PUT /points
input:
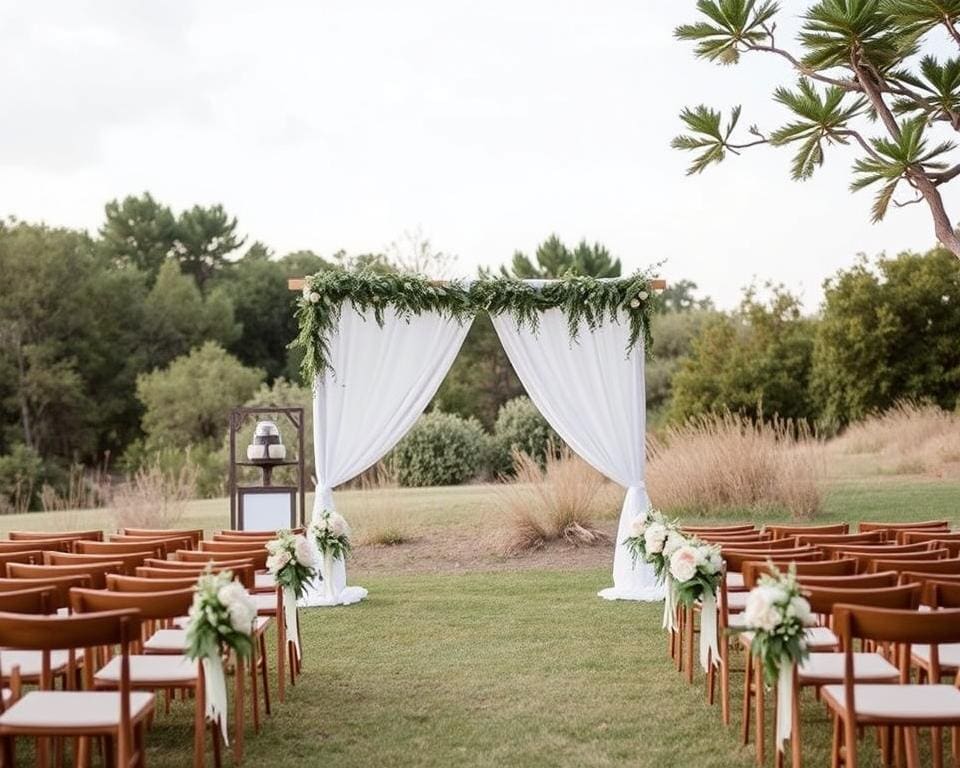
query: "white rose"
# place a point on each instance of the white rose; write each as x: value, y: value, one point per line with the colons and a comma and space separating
x: 314, y: 297
x: 274, y: 546
x: 654, y: 538
x: 760, y: 612
x: 801, y: 609
x: 306, y: 551
x: 242, y: 615
x: 338, y: 525
x: 674, y: 541
x: 643, y: 295
x: 637, y: 527
x: 635, y: 304
x: 230, y: 593
x: 276, y: 563
x: 683, y: 564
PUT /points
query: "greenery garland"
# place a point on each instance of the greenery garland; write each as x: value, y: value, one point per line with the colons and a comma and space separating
x: 583, y: 299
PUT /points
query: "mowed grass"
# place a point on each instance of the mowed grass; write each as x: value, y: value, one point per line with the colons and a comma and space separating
x: 498, y: 669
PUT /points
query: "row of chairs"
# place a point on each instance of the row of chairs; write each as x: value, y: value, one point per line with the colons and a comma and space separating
x: 891, y: 589
x: 68, y: 598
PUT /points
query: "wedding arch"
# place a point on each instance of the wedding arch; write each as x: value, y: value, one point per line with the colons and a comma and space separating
x: 377, y: 346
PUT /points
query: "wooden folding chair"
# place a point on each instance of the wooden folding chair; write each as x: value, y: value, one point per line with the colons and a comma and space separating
x: 892, y: 529
x: 43, y: 545
x: 859, y: 581
x: 841, y: 550
x: 867, y: 563
x: 939, y: 594
x: 194, y: 534
x: 918, y: 537
x: 944, y: 565
x: 154, y: 547
x: 120, y: 716
x: 785, y: 531
x: 170, y: 543
x: 128, y: 560
x: 95, y: 571
x: 816, y: 539
x: 905, y: 706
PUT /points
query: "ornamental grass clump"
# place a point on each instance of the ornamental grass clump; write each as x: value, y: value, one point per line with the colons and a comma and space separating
x: 556, y: 501
x: 726, y: 462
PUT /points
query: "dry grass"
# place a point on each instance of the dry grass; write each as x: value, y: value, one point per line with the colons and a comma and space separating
x: 908, y: 439
x: 377, y: 520
x: 714, y: 463
x: 555, y: 502
x: 86, y: 489
x: 152, y: 498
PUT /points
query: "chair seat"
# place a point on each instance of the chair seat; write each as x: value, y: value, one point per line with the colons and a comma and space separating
x: 735, y: 581
x: 149, y: 671
x: 818, y: 638
x: 949, y: 656
x: 166, y: 641
x: 266, y: 603
x: 915, y: 704
x: 264, y: 581
x: 737, y: 601
x: 73, y: 711
x: 829, y: 668
x: 30, y: 662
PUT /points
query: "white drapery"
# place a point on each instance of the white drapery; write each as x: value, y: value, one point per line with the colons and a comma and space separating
x: 382, y: 379
x: 592, y: 393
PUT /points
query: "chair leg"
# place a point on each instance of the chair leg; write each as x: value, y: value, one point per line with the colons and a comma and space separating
x: 292, y: 660
x: 747, y: 692
x: 758, y: 698
x: 199, y: 725
x: 239, y: 707
x: 936, y: 745
x: 725, y: 679
x: 835, y: 749
x: 711, y: 679
x: 281, y: 660
x: 849, y: 741
x: 7, y: 752
x: 265, y: 672
x: 913, y: 748
x: 689, y: 618
x: 254, y: 693
x: 215, y: 733
x: 955, y: 745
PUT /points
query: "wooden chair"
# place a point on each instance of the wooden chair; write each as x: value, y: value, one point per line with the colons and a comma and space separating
x: 194, y: 534
x: 95, y: 571
x: 43, y: 545
x: 951, y: 565
x: 939, y: 594
x: 91, y: 535
x: 860, y: 581
x: 826, y: 668
x: 905, y: 706
x: 60, y: 587
x: 753, y: 570
x: 265, y: 535
x: 731, y: 528
x: 194, y: 567
x: 119, y: 716
x: 841, y: 550
x: 257, y: 555
x: 170, y: 543
x: 27, y: 556
x: 152, y: 546
x: 757, y: 552
x: 918, y: 537
x: 865, y: 563
x: 893, y: 528
x: 128, y: 560
x: 156, y: 673
x: 785, y: 531
x: 816, y: 539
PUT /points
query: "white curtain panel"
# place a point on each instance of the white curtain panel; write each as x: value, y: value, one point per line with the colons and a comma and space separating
x: 382, y: 380
x: 592, y: 393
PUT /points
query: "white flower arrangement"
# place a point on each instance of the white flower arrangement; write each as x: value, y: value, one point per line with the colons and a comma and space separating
x: 331, y: 534
x: 221, y: 617
x: 650, y: 535
x: 293, y: 560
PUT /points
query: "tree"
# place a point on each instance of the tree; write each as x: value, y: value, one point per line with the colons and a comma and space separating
x: 679, y: 296
x: 673, y: 337
x: 554, y: 259
x: 303, y: 263
x: 756, y: 361
x: 188, y: 402
x: 205, y: 237
x: 179, y: 317
x: 860, y: 64
x: 415, y: 253
x: 138, y: 232
x: 889, y: 332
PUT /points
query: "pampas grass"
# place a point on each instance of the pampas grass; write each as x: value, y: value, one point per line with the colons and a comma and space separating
x: 727, y: 462
x: 374, y: 513
x: 153, y: 498
x: 907, y: 439
x: 555, y: 501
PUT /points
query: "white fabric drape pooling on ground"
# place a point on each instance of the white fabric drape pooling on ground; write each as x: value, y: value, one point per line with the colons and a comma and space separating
x: 382, y: 379
x: 592, y: 393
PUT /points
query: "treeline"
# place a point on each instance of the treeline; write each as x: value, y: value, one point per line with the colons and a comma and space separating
x: 129, y: 346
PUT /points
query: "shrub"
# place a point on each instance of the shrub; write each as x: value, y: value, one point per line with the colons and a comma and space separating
x: 556, y: 500
x: 441, y: 449
x: 520, y: 427
x: 206, y: 465
x: 22, y: 473
x: 154, y: 497
x: 727, y: 462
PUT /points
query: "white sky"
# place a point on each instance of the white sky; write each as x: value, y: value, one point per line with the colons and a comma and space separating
x: 487, y: 125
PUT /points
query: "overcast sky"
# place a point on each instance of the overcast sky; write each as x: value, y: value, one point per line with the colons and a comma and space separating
x: 485, y: 125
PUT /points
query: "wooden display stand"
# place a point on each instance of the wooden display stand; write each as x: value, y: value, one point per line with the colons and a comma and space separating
x: 263, y: 507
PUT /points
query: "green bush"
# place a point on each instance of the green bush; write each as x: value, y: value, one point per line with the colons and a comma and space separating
x: 441, y: 449
x: 206, y: 465
x: 22, y: 474
x: 521, y: 427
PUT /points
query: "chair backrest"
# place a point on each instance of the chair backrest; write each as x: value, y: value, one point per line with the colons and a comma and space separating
x: 824, y: 599
x: 735, y: 559
x: 48, y: 633
x: 752, y: 571
x: 160, y: 605
x: 91, y: 535
x: 258, y: 556
x: 860, y: 581
x: 128, y: 560
x: 96, y: 571
x: 876, y: 537
x: 27, y: 556
x: 60, y: 586
x: 869, y: 527
x: 781, y: 531
x: 942, y: 594
x: 170, y: 543
x: 232, y: 546
x: 915, y: 537
x: 119, y: 583
x: 925, y: 566
x: 778, y: 545
x: 746, y: 539
x: 897, y: 626
x: 32, y: 600
x: 257, y: 534
x: 43, y: 545
x: 919, y: 577
x: 733, y: 528
x: 194, y: 534
x: 841, y: 550
x: 865, y: 561
x: 242, y: 572
x: 155, y: 548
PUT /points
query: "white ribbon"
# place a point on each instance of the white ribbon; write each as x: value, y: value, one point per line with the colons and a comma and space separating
x: 329, y: 588
x: 784, y: 703
x: 709, y: 641
x: 290, y: 618
x: 670, y: 607
x: 215, y: 691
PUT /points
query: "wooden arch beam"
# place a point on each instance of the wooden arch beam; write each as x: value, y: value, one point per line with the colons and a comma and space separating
x: 296, y: 284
